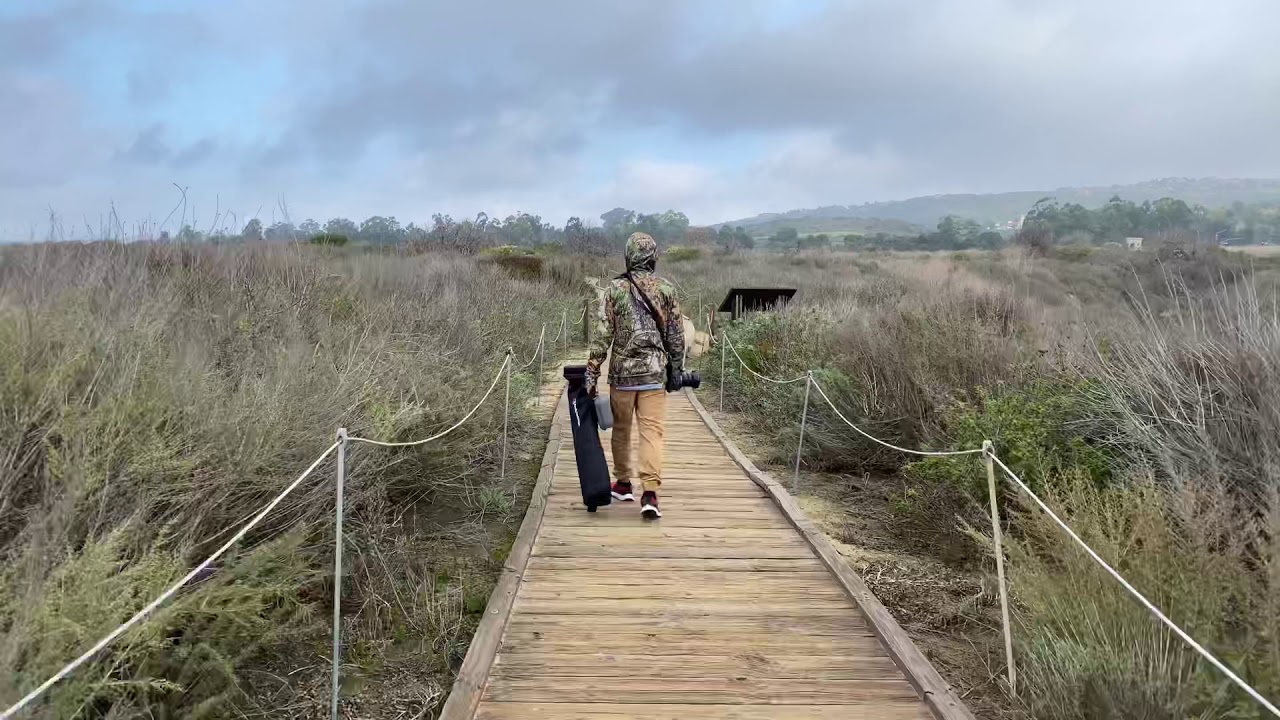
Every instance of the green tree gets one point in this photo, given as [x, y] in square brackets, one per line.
[252, 230]
[675, 225]
[618, 219]
[281, 231]
[189, 234]
[341, 226]
[380, 230]
[785, 238]
[989, 240]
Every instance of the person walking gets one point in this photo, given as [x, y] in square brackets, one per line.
[639, 320]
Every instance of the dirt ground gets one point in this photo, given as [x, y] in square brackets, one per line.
[952, 614]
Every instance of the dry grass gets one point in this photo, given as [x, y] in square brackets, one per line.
[1138, 390]
[1258, 250]
[154, 396]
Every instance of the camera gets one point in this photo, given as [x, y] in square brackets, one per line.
[692, 379]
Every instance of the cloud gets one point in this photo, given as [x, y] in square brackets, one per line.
[801, 169]
[41, 142]
[195, 153]
[720, 108]
[148, 148]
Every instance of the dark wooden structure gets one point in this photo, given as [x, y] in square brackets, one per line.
[740, 301]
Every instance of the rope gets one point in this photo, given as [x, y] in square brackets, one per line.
[439, 435]
[537, 349]
[1137, 595]
[926, 453]
[583, 318]
[743, 363]
[559, 330]
[138, 616]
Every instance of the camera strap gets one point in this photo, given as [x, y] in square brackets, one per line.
[657, 319]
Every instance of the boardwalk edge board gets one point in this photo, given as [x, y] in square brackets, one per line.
[469, 686]
[932, 688]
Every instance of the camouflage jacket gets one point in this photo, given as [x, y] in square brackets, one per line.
[625, 324]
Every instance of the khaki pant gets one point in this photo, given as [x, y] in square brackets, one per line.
[649, 409]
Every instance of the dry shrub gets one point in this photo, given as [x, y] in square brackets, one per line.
[521, 267]
[155, 396]
[1086, 649]
[1140, 392]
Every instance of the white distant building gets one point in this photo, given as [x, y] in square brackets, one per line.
[1133, 243]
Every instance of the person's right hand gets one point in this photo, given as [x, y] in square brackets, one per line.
[590, 384]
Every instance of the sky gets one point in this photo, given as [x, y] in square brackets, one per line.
[722, 109]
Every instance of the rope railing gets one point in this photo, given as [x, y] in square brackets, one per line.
[168, 593]
[340, 445]
[993, 460]
[506, 363]
[1271, 707]
[766, 378]
[537, 350]
[923, 453]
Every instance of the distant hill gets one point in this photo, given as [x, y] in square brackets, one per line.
[999, 208]
[837, 225]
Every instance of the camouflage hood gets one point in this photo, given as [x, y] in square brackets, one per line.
[641, 344]
[642, 253]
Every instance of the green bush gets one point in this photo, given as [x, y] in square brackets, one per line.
[1040, 430]
[1086, 649]
[333, 239]
[676, 253]
[519, 266]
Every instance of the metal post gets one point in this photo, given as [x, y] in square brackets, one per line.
[337, 572]
[723, 342]
[506, 413]
[804, 414]
[987, 455]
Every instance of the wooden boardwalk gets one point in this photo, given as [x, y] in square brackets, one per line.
[727, 607]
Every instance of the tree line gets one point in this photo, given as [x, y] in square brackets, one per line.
[1072, 223]
[953, 233]
[1047, 220]
[472, 234]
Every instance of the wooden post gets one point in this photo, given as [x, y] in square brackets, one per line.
[337, 575]
[997, 535]
[586, 323]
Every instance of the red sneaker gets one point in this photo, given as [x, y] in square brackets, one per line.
[649, 506]
[622, 491]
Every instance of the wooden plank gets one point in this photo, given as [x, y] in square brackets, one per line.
[675, 644]
[839, 622]
[672, 492]
[658, 566]
[673, 551]
[657, 532]
[684, 578]
[662, 594]
[573, 501]
[745, 665]
[670, 518]
[715, 691]
[760, 507]
[469, 685]
[671, 481]
[897, 710]
[725, 608]
[935, 691]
